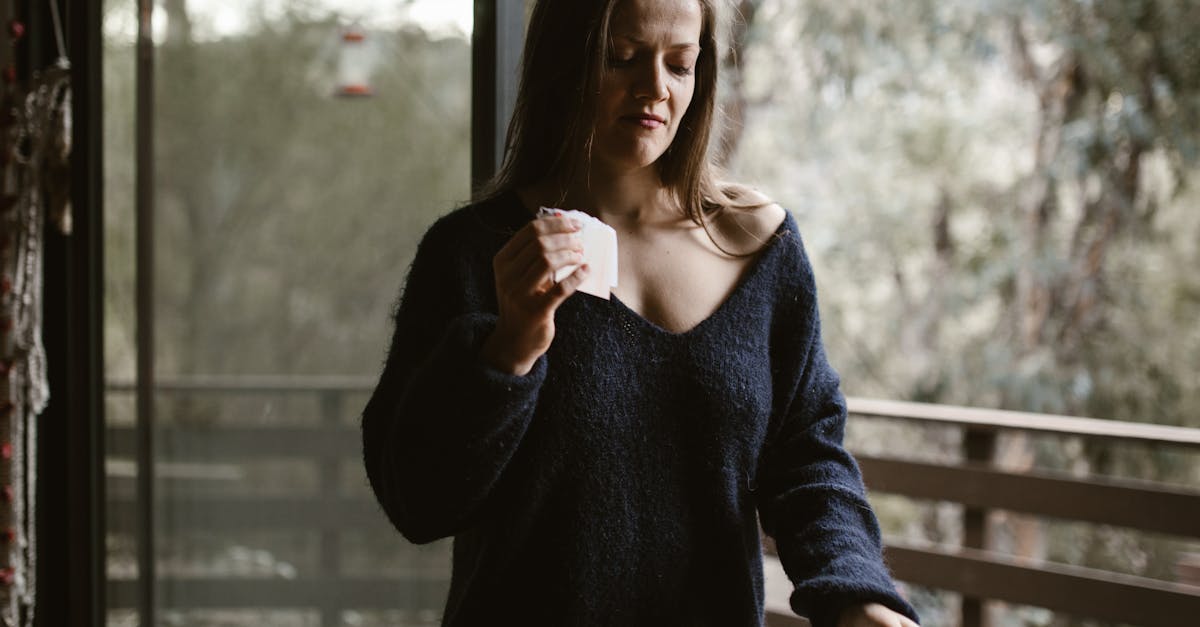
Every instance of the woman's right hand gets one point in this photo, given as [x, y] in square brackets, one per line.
[527, 294]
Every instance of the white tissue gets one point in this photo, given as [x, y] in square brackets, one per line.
[599, 252]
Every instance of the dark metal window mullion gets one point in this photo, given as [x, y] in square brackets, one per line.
[70, 571]
[497, 36]
[144, 209]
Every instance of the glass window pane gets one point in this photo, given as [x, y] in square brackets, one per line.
[301, 149]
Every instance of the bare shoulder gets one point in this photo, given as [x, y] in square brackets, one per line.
[747, 228]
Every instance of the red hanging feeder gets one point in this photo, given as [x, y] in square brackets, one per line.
[354, 64]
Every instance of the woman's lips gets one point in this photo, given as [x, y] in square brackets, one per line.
[644, 121]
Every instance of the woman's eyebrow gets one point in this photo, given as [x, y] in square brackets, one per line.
[642, 42]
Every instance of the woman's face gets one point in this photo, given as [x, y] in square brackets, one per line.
[649, 81]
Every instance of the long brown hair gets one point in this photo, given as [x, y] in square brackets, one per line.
[550, 134]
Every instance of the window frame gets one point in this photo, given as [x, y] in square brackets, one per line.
[70, 571]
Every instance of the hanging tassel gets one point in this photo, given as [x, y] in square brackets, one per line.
[35, 146]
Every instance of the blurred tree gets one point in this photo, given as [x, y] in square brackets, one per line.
[996, 195]
[288, 216]
[954, 96]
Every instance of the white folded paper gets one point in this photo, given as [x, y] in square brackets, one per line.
[599, 252]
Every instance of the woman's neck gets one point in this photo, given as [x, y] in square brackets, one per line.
[630, 198]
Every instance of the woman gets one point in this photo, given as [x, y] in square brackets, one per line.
[605, 462]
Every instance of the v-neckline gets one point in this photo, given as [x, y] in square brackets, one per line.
[771, 248]
[750, 276]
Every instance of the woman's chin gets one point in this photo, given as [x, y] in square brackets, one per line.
[630, 160]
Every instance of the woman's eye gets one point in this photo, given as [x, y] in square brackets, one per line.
[620, 61]
[681, 70]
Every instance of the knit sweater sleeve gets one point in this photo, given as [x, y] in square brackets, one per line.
[442, 425]
[812, 500]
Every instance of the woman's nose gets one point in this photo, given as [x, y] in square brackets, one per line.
[651, 82]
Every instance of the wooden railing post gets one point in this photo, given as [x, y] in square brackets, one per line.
[330, 556]
[979, 446]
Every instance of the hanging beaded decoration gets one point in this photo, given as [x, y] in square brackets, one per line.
[35, 144]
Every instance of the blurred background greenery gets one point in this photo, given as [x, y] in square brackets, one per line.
[999, 199]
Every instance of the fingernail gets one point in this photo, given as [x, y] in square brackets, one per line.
[576, 223]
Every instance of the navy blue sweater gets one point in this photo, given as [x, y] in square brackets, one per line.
[623, 480]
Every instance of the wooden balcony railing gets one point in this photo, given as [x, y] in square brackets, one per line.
[979, 574]
[329, 445]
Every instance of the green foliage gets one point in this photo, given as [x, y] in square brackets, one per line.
[286, 216]
[995, 192]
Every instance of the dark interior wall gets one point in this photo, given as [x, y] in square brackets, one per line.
[70, 566]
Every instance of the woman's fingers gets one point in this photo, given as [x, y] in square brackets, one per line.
[555, 224]
[568, 285]
[542, 270]
[540, 255]
[516, 246]
[529, 271]
[525, 267]
[524, 270]
[873, 615]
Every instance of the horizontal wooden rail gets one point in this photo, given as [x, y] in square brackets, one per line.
[1141, 505]
[997, 419]
[282, 594]
[1085, 592]
[283, 514]
[252, 384]
[221, 443]
[1159, 508]
[1074, 590]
